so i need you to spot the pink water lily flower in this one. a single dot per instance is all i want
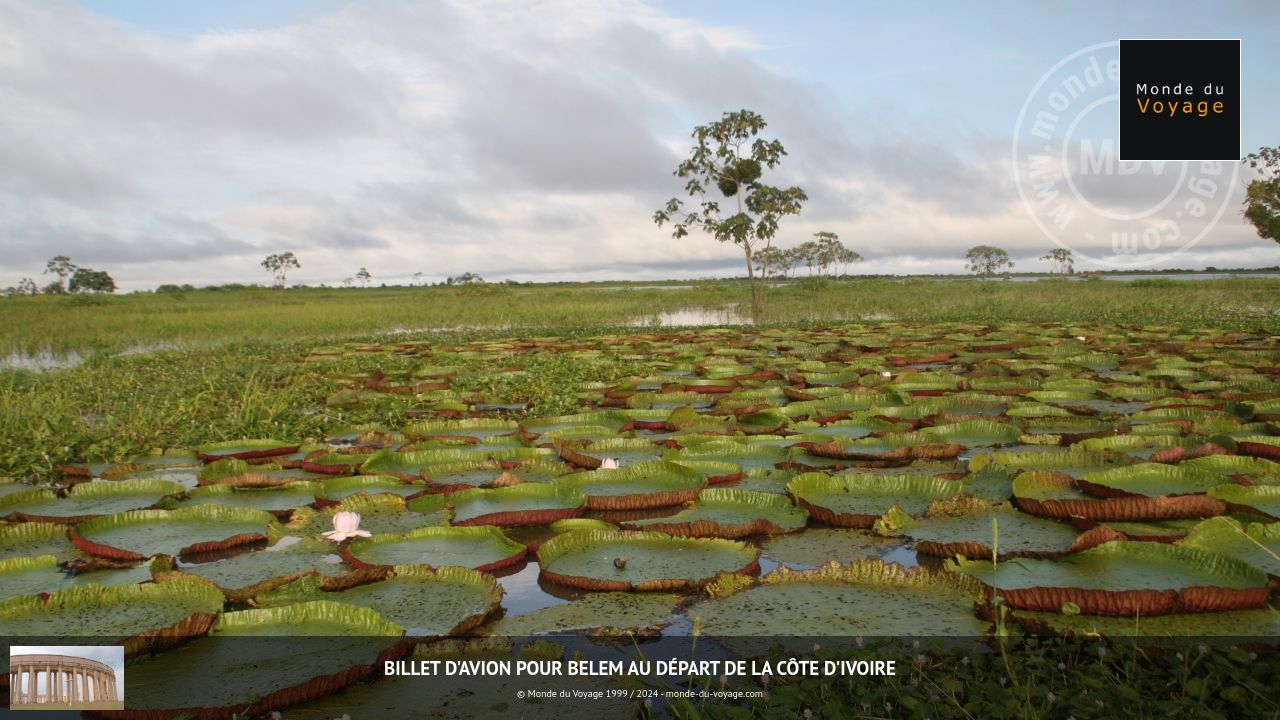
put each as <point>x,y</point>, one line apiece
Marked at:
<point>609,464</point>
<point>346,525</point>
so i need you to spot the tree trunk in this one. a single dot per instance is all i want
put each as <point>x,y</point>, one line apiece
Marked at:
<point>757,302</point>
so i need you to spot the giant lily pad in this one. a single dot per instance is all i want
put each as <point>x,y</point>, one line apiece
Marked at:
<point>340,487</point>
<point>857,500</point>
<point>605,613</point>
<point>425,601</point>
<point>141,616</point>
<point>523,504</point>
<point>974,433</point>
<point>244,449</point>
<point>138,534</point>
<point>331,646</point>
<point>618,560</point>
<point>869,598</point>
<point>972,529</point>
<point>42,574</point>
<point>482,548</point>
<point>1263,499</point>
<point>279,500</point>
<point>1125,578</point>
<point>1255,543</point>
<point>410,465</point>
<point>636,487</point>
<point>379,514</point>
<point>729,513</point>
<point>244,575</point>
<point>31,538</point>
<point>87,500</point>
<point>1056,495</point>
<point>1148,480</point>
<point>819,546</point>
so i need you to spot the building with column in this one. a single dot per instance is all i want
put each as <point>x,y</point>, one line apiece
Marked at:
<point>60,679</point>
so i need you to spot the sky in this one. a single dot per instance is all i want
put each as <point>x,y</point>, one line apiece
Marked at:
<point>182,142</point>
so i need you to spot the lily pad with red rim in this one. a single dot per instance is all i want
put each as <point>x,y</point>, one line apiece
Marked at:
<point>522,504</point>
<point>648,561</point>
<point>636,487</point>
<point>425,601</point>
<point>857,500</point>
<point>138,534</point>
<point>244,449</point>
<point>729,513</point>
<point>1125,578</point>
<point>482,548</point>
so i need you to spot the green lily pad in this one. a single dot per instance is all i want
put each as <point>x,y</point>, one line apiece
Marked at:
<point>1125,578</point>
<point>425,601</point>
<point>1255,543</point>
<point>729,513</point>
<point>31,538</point>
<point>338,488</point>
<point>380,514</point>
<point>819,546</point>
<point>243,449</point>
<point>1264,499</point>
<point>636,487</point>
<point>605,613</point>
<point>112,612</point>
<point>31,575</point>
<point>889,601</point>
<point>88,499</point>
<point>523,504</point>
<point>1149,480</point>
<point>856,500</point>
<point>604,560</point>
<point>244,575</point>
<point>974,433</point>
<point>411,465</point>
<point>974,529</point>
<point>273,499</point>
<point>223,675</point>
<point>138,534</point>
<point>482,548</point>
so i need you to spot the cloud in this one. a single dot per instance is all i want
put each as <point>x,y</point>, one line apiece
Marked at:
<point>509,139</point>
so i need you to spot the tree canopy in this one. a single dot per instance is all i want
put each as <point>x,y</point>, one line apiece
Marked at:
<point>279,265</point>
<point>729,156</point>
<point>987,260</point>
<point>1262,196</point>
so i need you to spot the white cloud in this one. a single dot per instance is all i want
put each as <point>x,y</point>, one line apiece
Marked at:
<point>530,141</point>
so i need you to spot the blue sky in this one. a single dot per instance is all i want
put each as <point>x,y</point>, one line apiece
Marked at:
<point>167,141</point>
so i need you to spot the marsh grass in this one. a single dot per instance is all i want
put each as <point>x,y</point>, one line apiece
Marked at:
<point>32,325</point>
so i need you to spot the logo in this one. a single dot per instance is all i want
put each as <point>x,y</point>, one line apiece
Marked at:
<point>1066,163</point>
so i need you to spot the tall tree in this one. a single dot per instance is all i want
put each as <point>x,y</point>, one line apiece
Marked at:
<point>1262,196</point>
<point>279,265</point>
<point>1060,260</point>
<point>729,156</point>
<point>987,260</point>
<point>62,267</point>
<point>364,277</point>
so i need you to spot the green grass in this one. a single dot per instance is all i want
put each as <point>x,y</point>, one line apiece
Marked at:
<point>59,325</point>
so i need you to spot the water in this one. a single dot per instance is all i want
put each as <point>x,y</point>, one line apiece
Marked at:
<point>692,317</point>
<point>46,359</point>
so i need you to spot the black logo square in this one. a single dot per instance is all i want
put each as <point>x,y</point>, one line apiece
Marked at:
<point>1180,100</point>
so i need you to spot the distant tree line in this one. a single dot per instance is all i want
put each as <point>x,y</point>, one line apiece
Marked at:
<point>69,278</point>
